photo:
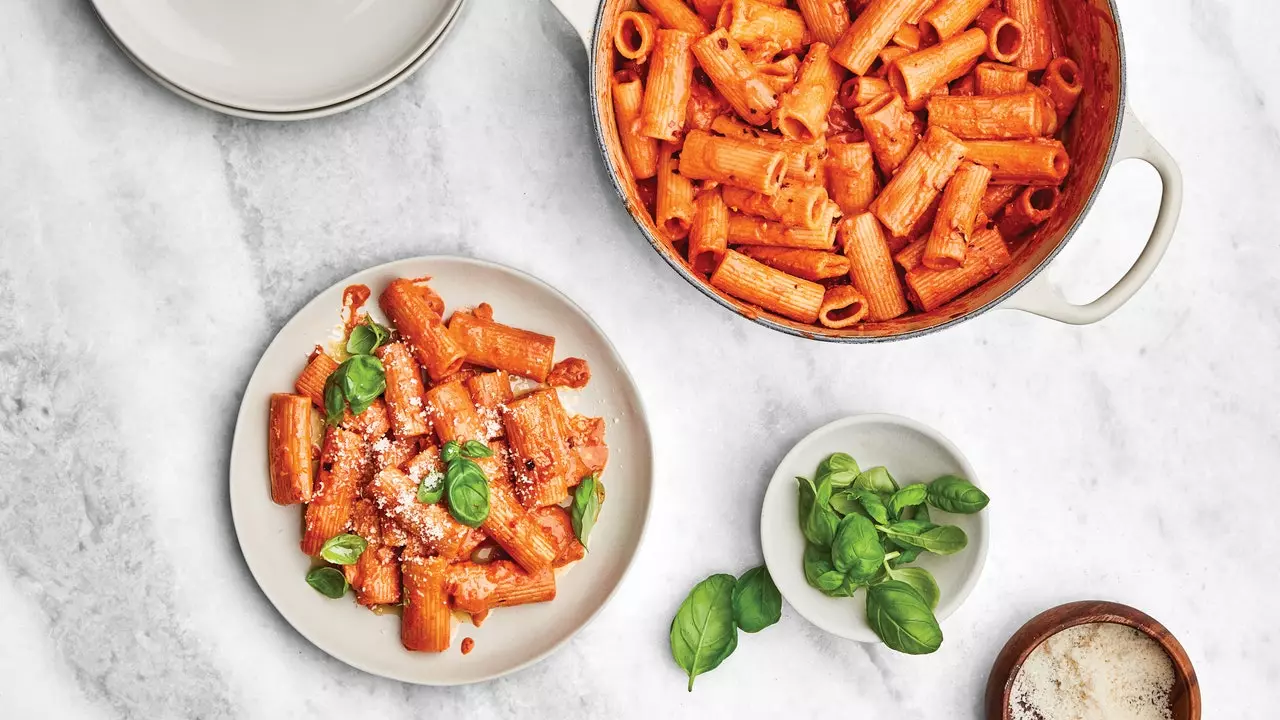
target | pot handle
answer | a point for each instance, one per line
(1040, 296)
(581, 14)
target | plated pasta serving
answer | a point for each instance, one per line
(439, 473)
(421, 471)
(844, 163)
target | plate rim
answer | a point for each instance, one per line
(640, 411)
(370, 94)
(983, 545)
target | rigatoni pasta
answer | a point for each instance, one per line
(826, 19)
(813, 265)
(1035, 17)
(633, 37)
(732, 162)
(741, 84)
(641, 150)
(446, 497)
(999, 79)
(774, 290)
(800, 205)
(871, 267)
(1026, 114)
(870, 32)
(758, 24)
(674, 204)
(957, 212)
(709, 236)
(289, 448)
(670, 77)
(802, 111)
(813, 194)
(851, 176)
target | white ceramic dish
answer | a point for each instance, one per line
(282, 57)
(913, 453)
(511, 638)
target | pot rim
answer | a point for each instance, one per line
(760, 319)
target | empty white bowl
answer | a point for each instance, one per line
(912, 452)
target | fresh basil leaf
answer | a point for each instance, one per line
(703, 632)
(871, 503)
(328, 581)
(922, 582)
(757, 604)
(361, 341)
(467, 491)
(817, 562)
(909, 496)
(817, 520)
(845, 503)
(831, 582)
(363, 381)
(450, 451)
(877, 479)
(940, 539)
(838, 462)
(956, 495)
(840, 478)
(431, 489)
(343, 549)
(586, 507)
(475, 449)
(906, 555)
(334, 401)
(856, 549)
(902, 619)
(922, 513)
(367, 337)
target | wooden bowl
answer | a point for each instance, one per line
(1185, 695)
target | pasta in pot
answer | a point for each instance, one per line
(800, 146)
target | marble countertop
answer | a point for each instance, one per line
(150, 249)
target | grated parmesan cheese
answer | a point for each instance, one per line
(1100, 671)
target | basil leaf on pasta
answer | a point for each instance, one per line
(467, 491)
(431, 489)
(586, 507)
(343, 549)
(328, 582)
(475, 449)
(366, 338)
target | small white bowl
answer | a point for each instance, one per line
(913, 453)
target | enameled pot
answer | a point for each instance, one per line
(1103, 131)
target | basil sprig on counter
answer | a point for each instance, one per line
(587, 499)
(360, 379)
(705, 629)
(861, 531)
(757, 604)
(465, 487)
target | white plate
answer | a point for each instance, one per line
(319, 112)
(281, 55)
(913, 453)
(510, 638)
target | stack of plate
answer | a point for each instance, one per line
(280, 59)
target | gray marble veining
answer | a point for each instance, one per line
(149, 250)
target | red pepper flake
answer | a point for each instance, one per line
(468, 645)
